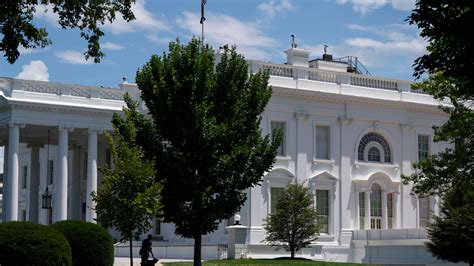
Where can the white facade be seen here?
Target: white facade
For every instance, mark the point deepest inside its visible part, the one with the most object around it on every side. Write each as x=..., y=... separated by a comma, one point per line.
x=349, y=137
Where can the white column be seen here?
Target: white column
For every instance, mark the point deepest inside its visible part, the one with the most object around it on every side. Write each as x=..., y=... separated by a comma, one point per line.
x=301, y=156
x=34, y=184
x=10, y=205
x=91, y=175
x=384, y=210
x=60, y=187
x=367, y=210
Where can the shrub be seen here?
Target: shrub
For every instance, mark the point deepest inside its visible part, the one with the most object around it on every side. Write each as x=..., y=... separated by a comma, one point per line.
x=25, y=243
x=90, y=243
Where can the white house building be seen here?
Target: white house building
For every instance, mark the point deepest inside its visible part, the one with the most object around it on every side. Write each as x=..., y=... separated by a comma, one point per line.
x=347, y=135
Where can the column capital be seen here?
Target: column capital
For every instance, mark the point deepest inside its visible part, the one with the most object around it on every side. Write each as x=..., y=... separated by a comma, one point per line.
x=65, y=127
x=95, y=130
x=38, y=144
x=16, y=124
x=406, y=126
x=301, y=114
x=345, y=120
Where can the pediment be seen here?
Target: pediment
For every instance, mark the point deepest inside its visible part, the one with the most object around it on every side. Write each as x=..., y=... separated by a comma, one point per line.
x=324, y=176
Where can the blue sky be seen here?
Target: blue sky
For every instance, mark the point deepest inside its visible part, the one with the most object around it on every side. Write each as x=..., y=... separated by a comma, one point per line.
x=373, y=30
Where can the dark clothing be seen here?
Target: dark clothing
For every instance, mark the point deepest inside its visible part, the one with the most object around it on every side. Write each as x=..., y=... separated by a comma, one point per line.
x=145, y=250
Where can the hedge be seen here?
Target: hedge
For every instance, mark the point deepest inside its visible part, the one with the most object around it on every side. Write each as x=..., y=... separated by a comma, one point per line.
x=26, y=243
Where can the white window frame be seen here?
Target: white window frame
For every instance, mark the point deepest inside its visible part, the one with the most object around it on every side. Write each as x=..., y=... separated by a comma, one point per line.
x=418, y=145
x=284, y=143
x=329, y=146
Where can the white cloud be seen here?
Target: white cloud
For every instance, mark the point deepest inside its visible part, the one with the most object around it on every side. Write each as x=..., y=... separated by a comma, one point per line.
x=367, y=6
x=393, y=47
x=272, y=7
x=222, y=29
x=45, y=12
x=72, y=57
x=154, y=38
x=144, y=21
x=35, y=70
x=112, y=46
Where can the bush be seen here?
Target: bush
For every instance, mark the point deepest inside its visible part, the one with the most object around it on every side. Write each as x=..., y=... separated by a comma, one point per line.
x=90, y=243
x=25, y=243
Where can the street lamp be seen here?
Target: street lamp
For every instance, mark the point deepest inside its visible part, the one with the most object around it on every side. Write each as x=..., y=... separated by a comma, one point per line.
x=46, y=200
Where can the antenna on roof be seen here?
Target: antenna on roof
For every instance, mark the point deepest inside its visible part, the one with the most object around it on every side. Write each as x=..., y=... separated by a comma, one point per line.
x=325, y=48
x=293, y=44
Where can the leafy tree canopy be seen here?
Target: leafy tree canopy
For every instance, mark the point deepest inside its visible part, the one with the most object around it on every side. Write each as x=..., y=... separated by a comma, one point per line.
x=294, y=224
x=18, y=28
x=129, y=198
x=449, y=174
x=208, y=146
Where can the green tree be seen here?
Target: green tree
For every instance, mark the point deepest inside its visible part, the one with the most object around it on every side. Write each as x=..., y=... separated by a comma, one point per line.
x=294, y=224
x=449, y=174
x=18, y=28
x=206, y=127
x=129, y=197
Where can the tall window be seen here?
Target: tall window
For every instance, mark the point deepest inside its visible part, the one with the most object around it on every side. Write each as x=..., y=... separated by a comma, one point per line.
x=423, y=147
x=322, y=206
x=376, y=207
x=275, y=192
x=361, y=210
x=23, y=215
x=24, y=177
x=281, y=126
x=322, y=142
x=424, y=211
x=367, y=144
x=50, y=172
x=390, y=210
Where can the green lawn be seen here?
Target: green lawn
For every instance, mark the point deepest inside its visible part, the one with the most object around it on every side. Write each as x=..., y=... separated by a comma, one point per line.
x=272, y=262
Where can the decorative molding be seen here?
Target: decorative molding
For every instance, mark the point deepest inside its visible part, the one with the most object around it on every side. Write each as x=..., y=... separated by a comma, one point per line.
x=376, y=124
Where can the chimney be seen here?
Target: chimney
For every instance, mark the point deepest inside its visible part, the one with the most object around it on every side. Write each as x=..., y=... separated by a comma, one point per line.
x=327, y=57
x=297, y=57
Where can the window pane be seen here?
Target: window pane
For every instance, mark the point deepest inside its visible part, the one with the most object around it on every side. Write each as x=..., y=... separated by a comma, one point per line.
x=361, y=210
x=322, y=206
x=376, y=201
x=373, y=154
x=389, y=210
x=423, y=147
x=275, y=192
x=50, y=172
x=24, y=180
x=282, y=126
x=424, y=211
x=322, y=142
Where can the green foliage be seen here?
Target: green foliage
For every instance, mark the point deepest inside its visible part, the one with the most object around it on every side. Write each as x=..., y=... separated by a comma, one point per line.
x=452, y=234
x=129, y=197
x=19, y=29
x=90, y=243
x=25, y=243
x=205, y=135
x=449, y=174
x=294, y=224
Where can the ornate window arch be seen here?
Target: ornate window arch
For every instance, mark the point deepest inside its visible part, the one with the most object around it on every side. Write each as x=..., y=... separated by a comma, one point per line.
x=373, y=147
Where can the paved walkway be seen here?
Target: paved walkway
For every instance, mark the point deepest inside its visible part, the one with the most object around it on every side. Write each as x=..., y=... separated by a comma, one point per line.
x=125, y=261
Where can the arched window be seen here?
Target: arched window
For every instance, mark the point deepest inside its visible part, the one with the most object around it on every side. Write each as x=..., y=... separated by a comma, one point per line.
x=374, y=148
x=373, y=154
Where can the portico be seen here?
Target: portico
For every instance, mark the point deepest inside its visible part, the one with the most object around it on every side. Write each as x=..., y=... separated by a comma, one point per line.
x=57, y=130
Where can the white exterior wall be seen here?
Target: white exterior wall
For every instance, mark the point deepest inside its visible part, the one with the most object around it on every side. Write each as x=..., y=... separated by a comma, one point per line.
x=350, y=105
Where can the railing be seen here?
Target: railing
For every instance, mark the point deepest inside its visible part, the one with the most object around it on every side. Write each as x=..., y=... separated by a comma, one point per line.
x=353, y=79
x=115, y=94
x=375, y=83
x=276, y=70
x=322, y=76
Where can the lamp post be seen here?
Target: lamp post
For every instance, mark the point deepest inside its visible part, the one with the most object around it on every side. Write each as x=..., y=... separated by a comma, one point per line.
x=46, y=200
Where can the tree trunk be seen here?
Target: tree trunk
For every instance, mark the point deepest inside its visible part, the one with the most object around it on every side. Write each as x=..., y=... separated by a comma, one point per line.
x=131, y=252
x=197, y=250
x=292, y=251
